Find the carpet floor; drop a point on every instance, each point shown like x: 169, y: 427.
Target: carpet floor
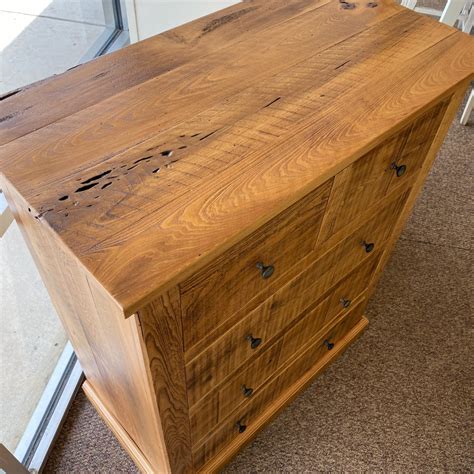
x: 399, y: 399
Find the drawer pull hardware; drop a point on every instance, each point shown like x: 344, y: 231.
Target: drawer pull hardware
x: 254, y: 341
x: 400, y: 169
x: 240, y: 426
x: 328, y: 344
x: 265, y: 270
x: 368, y: 246
x: 345, y: 302
x: 247, y: 391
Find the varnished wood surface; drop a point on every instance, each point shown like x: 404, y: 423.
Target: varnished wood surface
x: 233, y: 279
x: 295, y: 374
x: 372, y: 177
x: 162, y: 337
x: 117, y: 429
x: 226, y: 396
x: 255, y: 123
x: 40, y: 104
x: 108, y: 346
x: 299, y: 294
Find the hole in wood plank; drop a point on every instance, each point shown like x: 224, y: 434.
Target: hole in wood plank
x: 157, y: 170
x: 106, y: 184
x: 63, y: 198
x: 96, y: 177
x: 86, y: 187
x: 167, y: 153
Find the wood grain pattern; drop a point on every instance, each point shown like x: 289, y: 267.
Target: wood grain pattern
x: 149, y: 183
x: 107, y: 345
x: 267, y: 400
x: 227, y: 396
x: 232, y: 448
x: 40, y: 104
x: 162, y: 336
x: 239, y: 140
x: 233, y: 279
x: 372, y: 177
x: 225, y: 355
x: 446, y: 121
x: 274, y: 286
x: 123, y: 437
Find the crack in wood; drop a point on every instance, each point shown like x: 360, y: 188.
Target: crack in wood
x: 343, y: 64
x: 272, y: 102
x: 85, y: 188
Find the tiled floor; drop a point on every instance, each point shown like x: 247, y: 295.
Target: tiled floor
x: 38, y: 38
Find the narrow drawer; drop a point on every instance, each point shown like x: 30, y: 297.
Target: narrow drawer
x: 253, y: 333
x: 214, y: 294
x: 236, y: 424
x: 246, y: 382
x: 373, y: 176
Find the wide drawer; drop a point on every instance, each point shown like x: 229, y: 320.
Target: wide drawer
x: 236, y: 424
x: 380, y: 171
x: 213, y: 294
x: 246, y: 382
x: 239, y: 343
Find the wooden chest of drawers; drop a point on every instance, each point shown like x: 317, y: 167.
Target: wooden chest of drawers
x: 210, y: 209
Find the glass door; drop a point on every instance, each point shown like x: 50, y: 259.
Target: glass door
x: 39, y: 372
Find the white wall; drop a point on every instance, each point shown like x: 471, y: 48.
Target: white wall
x: 150, y: 17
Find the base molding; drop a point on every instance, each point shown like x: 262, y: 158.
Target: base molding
x: 224, y: 457
x: 122, y: 436
x: 231, y: 450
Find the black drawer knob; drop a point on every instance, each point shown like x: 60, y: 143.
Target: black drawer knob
x: 399, y: 169
x: 254, y: 341
x: 241, y: 426
x: 368, y: 246
x: 328, y: 344
x: 345, y: 302
x: 246, y: 391
x: 265, y: 270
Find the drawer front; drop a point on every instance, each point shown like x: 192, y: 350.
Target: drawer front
x: 246, y: 382
x: 373, y: 176
x: 234, y: 348
x: 232, y: 427
x: 215, y: 293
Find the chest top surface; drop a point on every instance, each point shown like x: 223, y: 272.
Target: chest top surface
x: 150, y: 161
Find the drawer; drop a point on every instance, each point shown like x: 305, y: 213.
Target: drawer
x: 213, y: 294
x: 373, y: 176
x: 236, y: 424
x: 232, y: 349
x: 245, y: 383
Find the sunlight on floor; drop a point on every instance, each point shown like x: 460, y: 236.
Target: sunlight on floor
x: 39, y: 38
